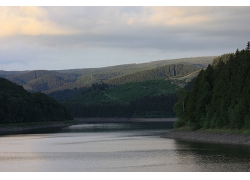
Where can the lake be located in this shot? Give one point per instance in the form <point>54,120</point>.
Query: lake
<point>116,147</point>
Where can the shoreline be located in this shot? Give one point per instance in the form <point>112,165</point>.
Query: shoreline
<point>9,129</point>
<point>123,120</point>
<point>212,137</point>
<point>22,128</point>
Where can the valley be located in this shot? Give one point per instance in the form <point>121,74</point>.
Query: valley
<point>134,90</point>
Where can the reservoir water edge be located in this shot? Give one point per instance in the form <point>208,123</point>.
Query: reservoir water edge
<point>116,147</point>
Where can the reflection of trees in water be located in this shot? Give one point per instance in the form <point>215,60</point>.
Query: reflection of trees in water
<point>111,127</point>
<point>213,157</point>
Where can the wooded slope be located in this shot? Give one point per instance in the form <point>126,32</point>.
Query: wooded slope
<point>220,95</point>
<point>17,105</point>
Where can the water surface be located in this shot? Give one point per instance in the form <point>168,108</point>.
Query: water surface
<point>115,147</point>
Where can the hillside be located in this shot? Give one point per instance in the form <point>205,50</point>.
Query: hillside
<point>60,80</point>
<point>162,72</point>
<point>17,105</point>
<point>125,93</point>
<point>219,97</point>
<point>10,73</point>
<point>153,98</point>
<point>41,80</point>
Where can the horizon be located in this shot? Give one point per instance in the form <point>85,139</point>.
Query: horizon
<point>66,37</point>
<point>107,66</point>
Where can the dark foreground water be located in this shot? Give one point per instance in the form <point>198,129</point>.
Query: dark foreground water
<point>116,147</point>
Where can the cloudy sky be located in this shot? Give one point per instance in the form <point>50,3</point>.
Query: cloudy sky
<point>69,37</point>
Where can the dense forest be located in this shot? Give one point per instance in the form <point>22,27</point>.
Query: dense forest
<point>147,107</point>
<point>17,105</point>
<point>219,97</point>
<point>154,98</point>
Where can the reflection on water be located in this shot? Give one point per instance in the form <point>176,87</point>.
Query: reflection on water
<point>215,157</point>
<point>148,128</point>
<point>116,147</point>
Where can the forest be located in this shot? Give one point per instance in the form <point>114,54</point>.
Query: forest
<point>18,106</point>
<point>132,90</point>
<point>146,107</point>
<point>153,98</point>
<point>219,97</point>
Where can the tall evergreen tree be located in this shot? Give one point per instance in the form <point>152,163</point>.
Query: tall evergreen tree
<point>219,97</point>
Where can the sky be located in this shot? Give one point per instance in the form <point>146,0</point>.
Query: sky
<point>73,37</point>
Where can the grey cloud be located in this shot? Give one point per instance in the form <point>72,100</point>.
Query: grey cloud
<point>103,32</point>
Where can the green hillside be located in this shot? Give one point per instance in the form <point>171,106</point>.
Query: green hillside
<point>134,90</point>
<point>17,105</point>
<point>126,92</point>
<point>153,98</point>
<point>163,72</point>
<point>52,81</point>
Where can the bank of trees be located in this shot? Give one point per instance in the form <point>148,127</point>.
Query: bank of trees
<point>148,107</point>
<point>219,96</point>
<point>17,105</point>
<point>154,98</point>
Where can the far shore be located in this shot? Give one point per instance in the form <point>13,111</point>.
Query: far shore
<point>204,136</point>
<point>123,120</point>
<point>19,128</point>
<point>22,129</point>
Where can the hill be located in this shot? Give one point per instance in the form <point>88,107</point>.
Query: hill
<point>153,98</point>
<point>125,93</point>
<point>133,90</point>
<point>61,80</point>
<point>17,105</point>
<point>219,97</point>
<point>162,72</point>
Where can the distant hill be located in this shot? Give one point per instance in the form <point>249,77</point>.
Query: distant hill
<point>10,73</point>
<point>17,105</point>
<point>126,92</point>
<point>133,90</point>
<point>153,98</point>
<point>60,80</point>
<point>162,72</point>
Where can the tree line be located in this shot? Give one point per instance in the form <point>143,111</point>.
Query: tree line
<point>17,105</point>
<point>148,107</point>
<point>219,97</point>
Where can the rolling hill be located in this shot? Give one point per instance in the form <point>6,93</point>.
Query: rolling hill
<point>60,80</point>
<point>133,90</point>
<point>162,72</point>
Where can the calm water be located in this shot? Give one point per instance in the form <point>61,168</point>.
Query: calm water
<point>116,147</point>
